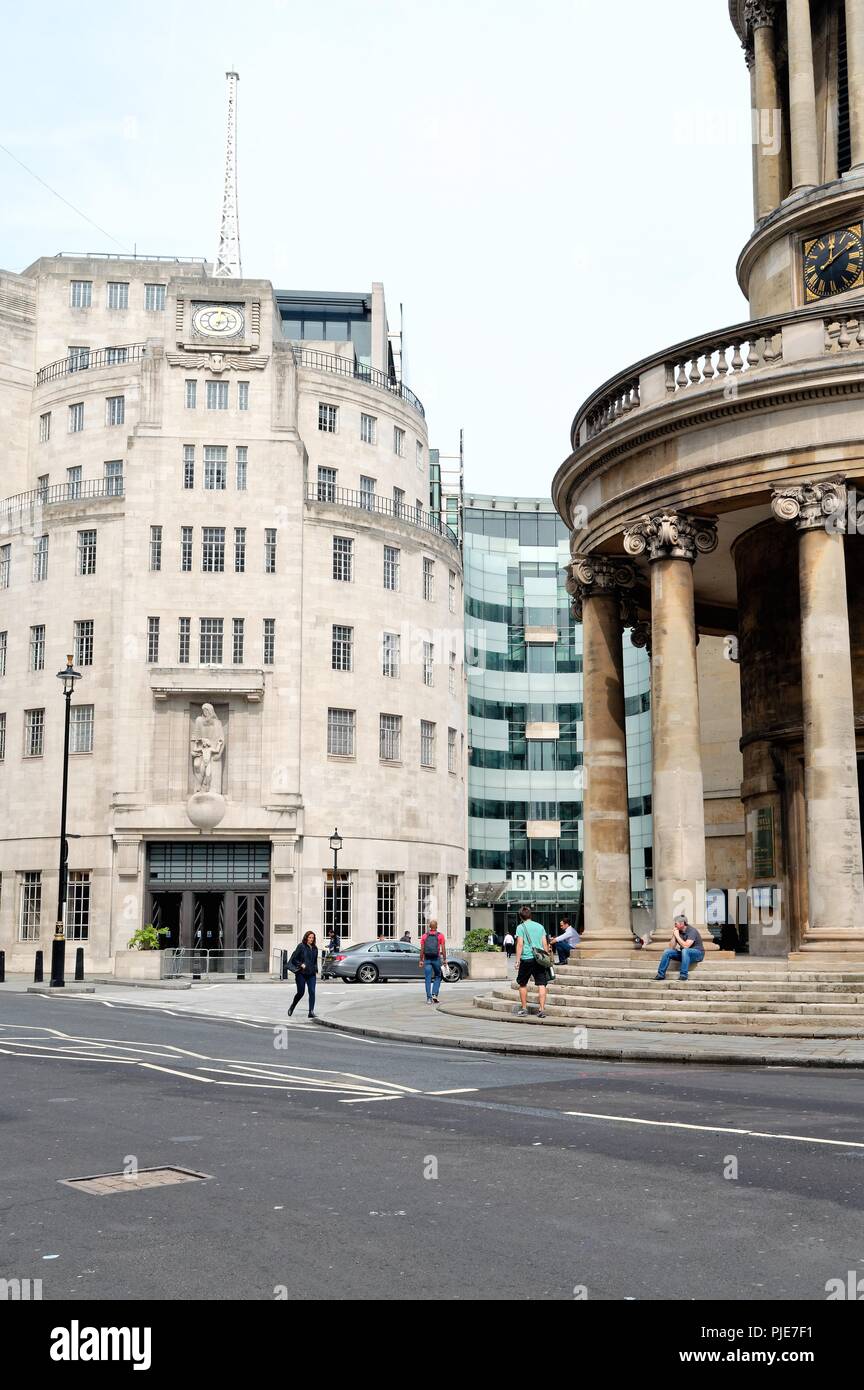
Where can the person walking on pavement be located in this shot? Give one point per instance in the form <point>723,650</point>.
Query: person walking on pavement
<point>304,962</point>
<point>686,946</point>
<point>509,944</point>
<point>531,938</point>
<point>433,954</point>
<point>406,936</point>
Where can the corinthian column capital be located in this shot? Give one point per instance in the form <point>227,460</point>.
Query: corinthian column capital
<point>810,504</point>
<point>758,13</point>
<point>590,576</point>
<point>672,536</point>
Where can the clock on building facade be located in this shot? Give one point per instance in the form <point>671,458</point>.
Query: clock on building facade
<point>833,262</point>
<point>221,321</point>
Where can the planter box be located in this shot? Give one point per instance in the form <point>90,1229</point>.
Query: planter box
<point>141,965</point>
<point>487,965</point>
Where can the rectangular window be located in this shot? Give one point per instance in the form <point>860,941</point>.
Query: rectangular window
<point>116,355</point>
<point>342,648</point>
<point>451,675</point>
<point>452,881</point>
<point>368,429</point>
<point>239,549</point>
<point>428,663</point>
<point>237,648</point>
<point>451,590</point>
<point>427,743</point>
<point>215,467</point>
<point>390,654</point>
<point>328,417</point>
<point>4,640</point>
<point>185,549</point>
<point>152,640</point>
<point>81,729</point>
<point>115,410</point>
<point>418,510</point>
<point>343,558</point>
<point>270,550</point>
<point>42,486</point>
<point>210,641</point>
<point>78,359</point>
<point>242,395</point>
<point>269,641</point>
<point>398,441</point>
<point>5,566</point>
<point>155,548</point>
<point>76,418</point>
<point>425,900</point>
<point>154,298</point>
<point>391,567</point>
<point>78,906</point>
<point>428,579</point>
<point>37,648</point>
<point>217,395</point>
<point>340,732</point>
<point>31,906</point>
<point>188,466</point>
<point>40,558</point>
<point>213,549</point>
<point>191,394</point>
<point>241,464</point>
<point>184,640</point>
<point>398,501</point>
<point>367,493</point>
<point>73,482</point>
<point>419,454</point>
<point>86,552</point>
<point>45,427</point>
<point>114,477</point>
<point>81,294</point>
<point>83,642</point>
<point>34,733</point>
<point>387,920</point>
<point>118,294</point>
<point>2,737</point>
<point>451,751</point>
<point>337,907</point>
<point>326,484</point>
<point>390,738</point>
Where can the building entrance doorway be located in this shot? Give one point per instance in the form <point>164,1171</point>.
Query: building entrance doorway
<point>212,898</point>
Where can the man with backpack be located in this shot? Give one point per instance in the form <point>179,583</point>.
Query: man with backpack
<point>433,954</point>
<point>533,960</point>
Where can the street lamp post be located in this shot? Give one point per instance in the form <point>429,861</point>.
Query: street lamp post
<point>335,845</point>
<point>58,945</point>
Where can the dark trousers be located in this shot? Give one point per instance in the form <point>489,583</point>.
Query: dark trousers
<point>302,980</point>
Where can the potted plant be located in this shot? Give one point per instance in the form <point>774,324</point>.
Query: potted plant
<point>143,958</point>
<point>485,960</point>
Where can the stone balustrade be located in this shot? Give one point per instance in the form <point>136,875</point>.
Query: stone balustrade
<point>842,334</point>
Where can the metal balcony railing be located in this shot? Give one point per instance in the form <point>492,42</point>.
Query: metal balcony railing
<point>127,256</point>
<point>89,359</point>
<point>381,506</point>
<point>62,492</point>
<point>357,371</point>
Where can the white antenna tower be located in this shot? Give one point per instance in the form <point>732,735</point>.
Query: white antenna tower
<point>228,256</point>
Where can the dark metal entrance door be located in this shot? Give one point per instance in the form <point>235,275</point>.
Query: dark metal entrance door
<point>208,922</point>
<point>249,926</point>
<point>166,910</point>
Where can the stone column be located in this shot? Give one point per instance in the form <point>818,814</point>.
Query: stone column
<point>855,65</point>
<point>802,96</point>
<point>834,861</point>
<point>597,583</point>
<point>672,542</point>
<point>767,117</point>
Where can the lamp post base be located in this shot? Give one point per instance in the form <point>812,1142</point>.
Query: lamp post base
<point>58,962</point>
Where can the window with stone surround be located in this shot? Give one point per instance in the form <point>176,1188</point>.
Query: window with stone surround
<point>86,552</point>
<point>210,641</point>
<point>215,467</point>
<point>154,298</point>
<point>185,549</point>
<point>78,906</point>
<point>342,648</point>
<point>82,641</point>
<point>188,466</point>
<point>340,732</point>
<point>238,635</point>
<point>155,548</point>
<point>81,294</point>
<point>213,549</point>
<point>269,635</point>
<point>152,640</point>
<point>427,743</point>
<point>343,559</point>
<point>390,738</point>
<point>34,733</point>
<point>30,910</point>
<point>184,640</point>
<point>118,294</point>
<point>81,729</point>
<point>217,395</point>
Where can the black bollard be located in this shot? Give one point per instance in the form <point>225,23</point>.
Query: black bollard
<point>283,974</point>
<point>2,966</point>
<point>37,969</point>
<point>79,963</point>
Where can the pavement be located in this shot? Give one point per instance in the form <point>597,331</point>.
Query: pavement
<point>399,1013</point>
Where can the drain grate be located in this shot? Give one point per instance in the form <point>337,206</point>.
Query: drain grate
<point>104,1184</point>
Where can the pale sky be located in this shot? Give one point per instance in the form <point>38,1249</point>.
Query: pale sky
<point>551,189</point>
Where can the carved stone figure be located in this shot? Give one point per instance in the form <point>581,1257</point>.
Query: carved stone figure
<point>208,745</point>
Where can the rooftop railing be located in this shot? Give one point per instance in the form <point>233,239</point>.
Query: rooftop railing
<point>357,371</point>
<point>62,492</point>
<point>128,256</point>
<point>89,359</point>
<point>381,506</point>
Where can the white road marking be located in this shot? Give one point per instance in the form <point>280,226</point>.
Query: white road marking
<point>454,1091</point>
<point>367,1100</point>
<point>715,1129</point>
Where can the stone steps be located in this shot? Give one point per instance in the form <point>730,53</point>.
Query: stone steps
<point>775,1024</point>
<point>680,1002</point>
<point>728,993</point>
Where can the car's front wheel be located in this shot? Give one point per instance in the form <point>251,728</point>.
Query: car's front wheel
<point>367,974</point>
<point>454,973</point>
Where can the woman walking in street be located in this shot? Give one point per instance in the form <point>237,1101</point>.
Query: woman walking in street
<point>305,962</point>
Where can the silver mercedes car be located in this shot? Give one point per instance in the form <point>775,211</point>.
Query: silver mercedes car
<point>386,960</point>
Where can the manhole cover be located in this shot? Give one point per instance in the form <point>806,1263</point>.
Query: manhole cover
<point>104,1184</point>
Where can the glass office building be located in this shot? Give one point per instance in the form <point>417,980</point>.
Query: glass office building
<point>524,666</point>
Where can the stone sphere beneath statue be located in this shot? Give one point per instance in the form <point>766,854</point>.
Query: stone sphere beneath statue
<point>206,809</point>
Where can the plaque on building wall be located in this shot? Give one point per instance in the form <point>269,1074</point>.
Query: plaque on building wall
<point>763,843</point>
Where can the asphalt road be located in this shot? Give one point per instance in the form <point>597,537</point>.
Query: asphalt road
<point>340,1167</point>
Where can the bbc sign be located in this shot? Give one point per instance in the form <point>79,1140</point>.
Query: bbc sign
<point>551,882</point>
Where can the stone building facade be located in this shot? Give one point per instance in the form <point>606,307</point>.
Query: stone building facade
<point>216,495</point>
<point>712,493</point>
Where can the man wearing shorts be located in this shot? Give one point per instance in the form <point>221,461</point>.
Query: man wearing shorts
<point>530,937</point>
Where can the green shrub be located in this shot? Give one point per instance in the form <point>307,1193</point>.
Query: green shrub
<point>478,940</point>
<point>146,938</point>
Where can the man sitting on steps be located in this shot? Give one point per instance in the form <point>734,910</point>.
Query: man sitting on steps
<point>686,946</point>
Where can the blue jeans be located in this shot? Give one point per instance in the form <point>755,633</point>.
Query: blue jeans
<point>689,956</point>
<point>432,971</point>
<point>563,954</point>
<point>302,980</point>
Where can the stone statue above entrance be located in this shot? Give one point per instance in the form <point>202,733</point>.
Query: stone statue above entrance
<point>208,745</point>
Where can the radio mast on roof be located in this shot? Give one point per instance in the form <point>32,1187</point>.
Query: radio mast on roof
<point>228,256</point>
